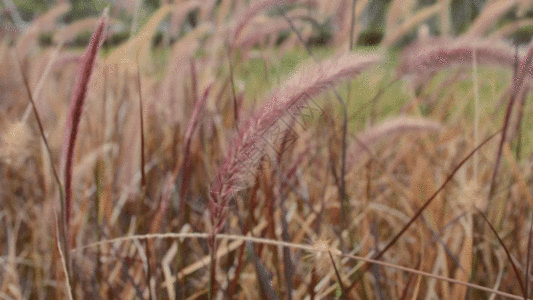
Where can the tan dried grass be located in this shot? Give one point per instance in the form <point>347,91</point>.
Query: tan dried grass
<point>139,46</point>
<point>392,37</point>
<point>16,141</point>
<point>44,23</point>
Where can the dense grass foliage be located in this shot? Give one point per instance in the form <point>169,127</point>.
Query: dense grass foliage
<point>266,150</point>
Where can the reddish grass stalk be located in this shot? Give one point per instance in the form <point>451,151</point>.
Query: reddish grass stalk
<point>265,285</point>
<point>76,108</point>
<point>507,253</point>
<point>141,119</point>
<point>234,95</point>
<point>344,293</point>
<point>525,70</point>
<point>526,288</point>
<point>191,127</point>
<point>60,228</point>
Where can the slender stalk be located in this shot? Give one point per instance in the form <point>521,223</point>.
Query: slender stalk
<point>62,228</point>
<point>141,119</point>
<point>476,111</point>
<point>213,264</point>
<point>342,186</point>
<point>352,26</point>
<point>304,247</point>
<point>528,258</point>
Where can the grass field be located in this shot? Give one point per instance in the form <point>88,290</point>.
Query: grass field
<point>259,150</point>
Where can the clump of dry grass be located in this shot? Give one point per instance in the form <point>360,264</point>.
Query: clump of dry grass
<point>16,143</point>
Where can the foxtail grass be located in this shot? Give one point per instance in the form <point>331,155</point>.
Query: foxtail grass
<point>303,84</point>
<point>75,111</point>
<point>423,58</point>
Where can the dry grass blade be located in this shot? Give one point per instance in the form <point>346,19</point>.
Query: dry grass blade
<point>141,119</point>
<point>309,248</point>
<point>41,129</point>
<point>64,258</point>
<point>426,204</point>
<point>344,293</point>
<point>184,171</point>
<point>61,227</point>
<point>515,268</point>
<point>421,16</point>
<point>139,45</point>
<point>267,291</point>
<point>233,94</point>
<point>528,262</point>
<point>76,108</point>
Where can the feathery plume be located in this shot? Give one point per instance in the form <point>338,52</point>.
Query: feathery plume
<point>251,144</point>
<point>392,126</point>
<point>437,54</point>
<point>251,11</point>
